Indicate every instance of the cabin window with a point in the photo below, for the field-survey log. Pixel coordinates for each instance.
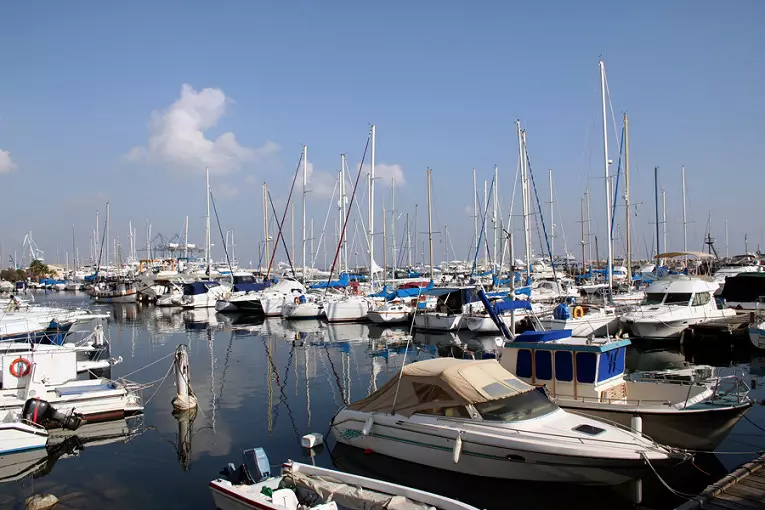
(429, 393)
(653, 298)
(585, 367)
(543, 360)
(611, 364)
(678, 298)
(701, 298)
(523, 363)
(564, 366)
(525, 406)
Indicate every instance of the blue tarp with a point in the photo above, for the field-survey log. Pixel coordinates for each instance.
(194, 288)
(561, 312)
(506, 306)
(543, 336)
(344, 281)
(390, 295)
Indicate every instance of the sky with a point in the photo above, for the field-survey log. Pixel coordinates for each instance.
(128, 103)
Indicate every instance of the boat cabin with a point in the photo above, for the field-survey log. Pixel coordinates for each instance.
(579, 368)
(200, 287)
(680, 290)
(451, 300)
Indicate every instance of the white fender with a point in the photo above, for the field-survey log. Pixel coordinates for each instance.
(457, 448)
(367, 428)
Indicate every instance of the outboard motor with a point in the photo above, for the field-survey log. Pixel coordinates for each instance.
(41, 412)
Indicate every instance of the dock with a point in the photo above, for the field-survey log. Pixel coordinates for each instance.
(742, 489)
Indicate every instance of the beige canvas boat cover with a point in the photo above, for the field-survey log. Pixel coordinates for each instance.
(443, 382)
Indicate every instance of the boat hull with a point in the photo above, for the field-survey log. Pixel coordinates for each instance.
(584, 326)
(388, 317)
(347, 310)
(117, 298)
(438, 321)
(18, 437)
(757, 336)
(298, 311)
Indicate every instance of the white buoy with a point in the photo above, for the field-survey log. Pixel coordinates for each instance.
(312, 440)
(457, 449)
(636, 424)
(185, 398)
(98, 336)
(367, 428)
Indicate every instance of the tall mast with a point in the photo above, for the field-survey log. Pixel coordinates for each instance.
(589, 225)
(344, 250)
(408, 243)
(494, 218)
(305, 183)
(186, 239)
(627, 218)
(265, 223)
(552, 219)
(475, 212)
(392, 229)
(292, 231)
(664, 217)
(581, 213)
(524, 196)
(372, 213)
(726, 238)
(485, 231)
(96, 241)
(208, 248)
(107, 234)
(608, 182)
(656, 203)
(430, 232)
(74, 252)
(312, 252)
(385, 248)
(685, 223)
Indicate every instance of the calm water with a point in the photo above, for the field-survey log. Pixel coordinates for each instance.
(266, 384)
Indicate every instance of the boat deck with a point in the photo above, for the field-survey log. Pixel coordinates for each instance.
(744, 488)
(730, 330)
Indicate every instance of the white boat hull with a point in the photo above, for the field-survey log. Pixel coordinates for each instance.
(353, 309)
(757, 335)
(18, 437)
(307, 310)
(435, 321)
(388, 316)
(585, 326)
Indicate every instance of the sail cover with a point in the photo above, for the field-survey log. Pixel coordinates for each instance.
(443, 382)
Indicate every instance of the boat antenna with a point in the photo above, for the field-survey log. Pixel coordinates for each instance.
(347, 216)
(284, 216)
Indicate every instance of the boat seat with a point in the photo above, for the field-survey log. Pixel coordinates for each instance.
(73, 390)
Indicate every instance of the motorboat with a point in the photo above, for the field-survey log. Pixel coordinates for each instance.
(52, 376)
(42, 324)
(268, 301)
(308, 487)
(740, 264)
(587, 376)
(475, 417)
(245, 288)
(201, 294)
(507, 311)
(26, 430)
(304, 306)
(584, 320)
(673, 303)
(348, 308)
(550, 291)
(114, 291)
(391, 312)
(449, 312)
(745, 291)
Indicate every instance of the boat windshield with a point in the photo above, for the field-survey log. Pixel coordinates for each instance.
(524, 406)
(677, 298)
(653, 298)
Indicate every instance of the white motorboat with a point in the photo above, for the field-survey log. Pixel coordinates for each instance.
(391, 312)
(268, 301)
(740, 264)
(353, 308)
(304, 306)
(52, 376)
(549, 291)
(201, 294)
(583, 321)
(672, 304)
(18, 436)
(251, 486)
(475, 417)
(587, 376)
(114, 292)
(450, 309)
(757, 334)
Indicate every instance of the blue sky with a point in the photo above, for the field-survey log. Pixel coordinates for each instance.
(443, 82)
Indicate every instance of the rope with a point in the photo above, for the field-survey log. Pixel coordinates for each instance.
(162, 381)
(150, 364)
(539, 206)
(284, 217)
(665, 484)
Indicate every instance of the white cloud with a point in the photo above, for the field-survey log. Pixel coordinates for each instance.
(385, 174)
(320, 184)
(6, 163)
(177, 136)
(225, 191)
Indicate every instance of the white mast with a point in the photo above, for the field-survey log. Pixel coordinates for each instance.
(525, 196)
(589, 226)
(485, 231)
(107, 234)
(371, 219)
(392, 230)
(208, 248)
(266, 252)
(186, 239)
(664, 218)
(608, 182)
(552, 219)
(341, 206)
(494, 218)
(305, 183)
(627, 219)
(430, 232)
(475, 212)
(726, 238)
(685, 223)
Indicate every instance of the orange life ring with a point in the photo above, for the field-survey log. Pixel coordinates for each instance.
(578, 312)
(297, 300)
(20, 367)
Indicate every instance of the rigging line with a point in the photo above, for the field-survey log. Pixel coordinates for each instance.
(483, 226)
(539, 206)
(562, 229)
(326, 220)
(345, 225)
(360, 218)
(284, 217)
(284, 241)
(613, 117)
(220, 229)
(616, 187)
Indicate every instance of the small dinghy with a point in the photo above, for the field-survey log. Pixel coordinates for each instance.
(306, 487)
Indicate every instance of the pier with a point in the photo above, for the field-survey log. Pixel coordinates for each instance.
(744, 488)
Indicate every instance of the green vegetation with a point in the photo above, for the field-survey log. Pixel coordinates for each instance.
(13, 275)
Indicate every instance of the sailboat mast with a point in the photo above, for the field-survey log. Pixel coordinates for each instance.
(186, 239)
(408, 243)
(581, 213)
(385, 248)
(430, 231)
(494, 218)
(107, 234)
(627, 219)
(664, 217)
(371, 219)
(656, 203)
(485, 231)
(74, 252)
(525, 196)
(392, 229)
(344, 250)
(552, 219)
(589, 225)
(265, 222)
(608, 182)
(685, 223)
(208, 248)
(305, 183)
(475, 211)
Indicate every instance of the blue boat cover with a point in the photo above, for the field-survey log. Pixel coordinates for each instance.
(561, 312)
(200, 287)
(343, 282)
(506, 306)
(543, 336)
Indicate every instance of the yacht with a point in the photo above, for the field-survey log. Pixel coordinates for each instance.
(475, 417)
(449, 313)
(587, 376)
(745, 291)
(748, 263)
(673, 303)
(392, 312)
(583, 321)
(304, 306)
(114, 291)
(549, 291)
(201, 294)
(347, 308)
(267, 301)
(481, 322)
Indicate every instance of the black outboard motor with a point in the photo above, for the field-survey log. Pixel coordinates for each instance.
(42, 413)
